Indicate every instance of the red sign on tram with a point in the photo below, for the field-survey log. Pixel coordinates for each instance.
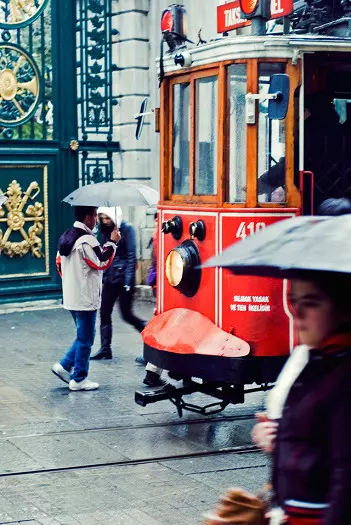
(255, 308)
(229, 15)
(281, 8)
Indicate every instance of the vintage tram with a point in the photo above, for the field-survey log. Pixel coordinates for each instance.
(253, 129)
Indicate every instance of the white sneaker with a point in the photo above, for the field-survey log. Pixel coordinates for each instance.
(60, 372)
(83, 385)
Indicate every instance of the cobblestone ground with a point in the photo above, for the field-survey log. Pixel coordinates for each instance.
(44, 426)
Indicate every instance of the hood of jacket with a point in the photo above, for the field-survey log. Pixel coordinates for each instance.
(70, 237)
(113, 213)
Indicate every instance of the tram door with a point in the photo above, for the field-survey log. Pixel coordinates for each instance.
(327, 128)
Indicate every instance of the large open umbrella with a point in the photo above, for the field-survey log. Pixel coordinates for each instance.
(113, 194)
(290, 246)
(3, 199)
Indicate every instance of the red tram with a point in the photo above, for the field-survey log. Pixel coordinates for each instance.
(254, 129)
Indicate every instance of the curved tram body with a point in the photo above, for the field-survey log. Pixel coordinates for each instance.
(226, 172)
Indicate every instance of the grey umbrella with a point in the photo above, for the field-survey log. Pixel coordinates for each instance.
(113, 194)
(3, 199)
(290, 246)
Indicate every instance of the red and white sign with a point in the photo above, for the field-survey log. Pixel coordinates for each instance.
(255, 308)
(229, 17)
(281, 8)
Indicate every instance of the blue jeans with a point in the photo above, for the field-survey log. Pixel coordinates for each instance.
(79, 353)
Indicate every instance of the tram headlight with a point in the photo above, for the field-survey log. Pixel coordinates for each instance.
(174, 268)
(181, 268)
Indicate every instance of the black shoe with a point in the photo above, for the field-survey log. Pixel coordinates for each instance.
(140, 361)
(103, 353)
(153, 379)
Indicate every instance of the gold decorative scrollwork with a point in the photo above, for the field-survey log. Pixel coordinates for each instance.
(19, 85)
(19, 13)
(16, 219)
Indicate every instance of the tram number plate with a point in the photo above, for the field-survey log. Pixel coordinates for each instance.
(246, 229)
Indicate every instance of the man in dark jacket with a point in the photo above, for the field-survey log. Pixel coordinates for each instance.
(118, 280)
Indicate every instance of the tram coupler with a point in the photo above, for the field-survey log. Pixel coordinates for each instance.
(227, 394)
(146, 397)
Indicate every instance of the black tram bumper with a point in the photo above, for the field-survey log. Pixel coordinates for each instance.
(218, 369)
(223, 378)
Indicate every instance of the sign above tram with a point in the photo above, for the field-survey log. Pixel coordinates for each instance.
(281, 8)
(230, 16)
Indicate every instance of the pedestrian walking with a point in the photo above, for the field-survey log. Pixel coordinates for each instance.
(153, 373)
(308, 434)
(312, 457)
(264, 432)
(80, 262)
(118, 279)
(152, 273)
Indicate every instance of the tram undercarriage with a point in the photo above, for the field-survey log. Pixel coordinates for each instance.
(227, 394)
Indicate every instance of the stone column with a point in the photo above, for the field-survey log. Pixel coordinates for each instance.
(132, 56)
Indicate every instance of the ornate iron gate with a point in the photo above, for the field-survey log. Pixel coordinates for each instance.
(56, 128)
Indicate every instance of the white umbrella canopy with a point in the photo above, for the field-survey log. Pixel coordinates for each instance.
(291, 246)
(112, 194)
(3, 199)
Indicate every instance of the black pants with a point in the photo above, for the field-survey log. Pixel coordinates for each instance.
(110, 294)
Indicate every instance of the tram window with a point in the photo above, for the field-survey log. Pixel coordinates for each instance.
(206, 137)
(237, 133)
(181, 139)
(271, 143)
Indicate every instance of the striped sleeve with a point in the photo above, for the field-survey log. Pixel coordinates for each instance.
(99, 257)
(58, 264)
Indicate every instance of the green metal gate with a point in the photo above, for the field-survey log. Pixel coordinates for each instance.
(56, 129)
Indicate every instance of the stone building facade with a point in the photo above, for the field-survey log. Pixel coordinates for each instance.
(135, 51)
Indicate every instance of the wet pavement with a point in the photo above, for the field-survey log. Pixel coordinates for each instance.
(96, 436)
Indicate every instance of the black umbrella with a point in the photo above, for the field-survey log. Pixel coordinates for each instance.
(290, 246)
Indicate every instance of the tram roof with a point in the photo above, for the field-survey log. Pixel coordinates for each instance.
(267, 46)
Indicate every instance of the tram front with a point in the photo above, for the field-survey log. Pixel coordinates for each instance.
(232, 163)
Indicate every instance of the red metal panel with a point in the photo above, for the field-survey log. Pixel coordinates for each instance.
(205, 301)
(254, 308)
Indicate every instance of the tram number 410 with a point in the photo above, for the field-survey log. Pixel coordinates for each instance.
(245, 229)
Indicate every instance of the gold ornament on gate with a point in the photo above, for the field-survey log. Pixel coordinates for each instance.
(18, 215)
(19, 86)
(8, 84)
(20, 13)
(74, 145)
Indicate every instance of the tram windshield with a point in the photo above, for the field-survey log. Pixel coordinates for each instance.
(271, 143)
(237, 133)
(181, 138)
(206, 135)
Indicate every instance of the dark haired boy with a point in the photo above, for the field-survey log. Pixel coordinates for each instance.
(80, 262)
